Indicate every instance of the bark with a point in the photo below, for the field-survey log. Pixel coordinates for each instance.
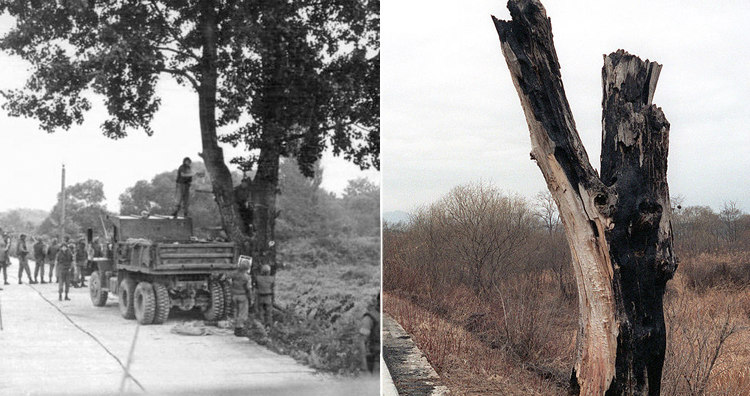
(263, 197)
(213, 155)
(618, 226)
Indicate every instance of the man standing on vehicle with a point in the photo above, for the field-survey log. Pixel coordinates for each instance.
(265, 282)
(184, 179)
(23, 260)
(241, 294)
(64, 261)
(40, 252)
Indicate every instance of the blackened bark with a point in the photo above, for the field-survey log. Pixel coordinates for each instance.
(618, 226)
(213, 155)
(634, 162)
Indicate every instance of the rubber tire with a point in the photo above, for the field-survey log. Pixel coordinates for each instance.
(163, 303)
(216, 309)
(227, 289)
(98, 296)
(125, 296)
(144, 302)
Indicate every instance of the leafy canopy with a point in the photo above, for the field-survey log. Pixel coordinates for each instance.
(296, 76)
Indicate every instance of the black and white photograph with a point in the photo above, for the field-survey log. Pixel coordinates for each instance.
(566, 197)
(190, 197)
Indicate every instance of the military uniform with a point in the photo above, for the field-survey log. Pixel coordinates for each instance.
(39, 254)
(23, 260)
(64, 261)
(4, 257)
(241, 299)
(370, 330)
(51, 254)
(265, 285)
(184, 179)
(81, 259)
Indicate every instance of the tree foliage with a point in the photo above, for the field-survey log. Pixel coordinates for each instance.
(307, 210)
(84, 209)
(23, 221)
(308, 71)
(285, 79)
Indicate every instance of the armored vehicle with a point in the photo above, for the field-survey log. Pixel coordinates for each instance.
(155, 263)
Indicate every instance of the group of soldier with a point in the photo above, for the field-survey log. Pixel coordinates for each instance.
(67, 260)
(242, 295)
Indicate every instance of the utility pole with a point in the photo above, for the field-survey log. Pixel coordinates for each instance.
(62, 205)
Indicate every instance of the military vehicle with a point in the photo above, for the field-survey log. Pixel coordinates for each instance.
(155, 263)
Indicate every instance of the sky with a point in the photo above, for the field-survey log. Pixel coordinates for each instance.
(450, 113)
(31, 159)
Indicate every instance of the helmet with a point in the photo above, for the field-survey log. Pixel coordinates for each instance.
(265, 269)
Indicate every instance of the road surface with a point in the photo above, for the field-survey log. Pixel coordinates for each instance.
(71, 347)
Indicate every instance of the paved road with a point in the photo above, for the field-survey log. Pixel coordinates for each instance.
(71, 347)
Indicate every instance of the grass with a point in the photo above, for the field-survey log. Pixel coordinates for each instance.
(323, 305)
(523, 340)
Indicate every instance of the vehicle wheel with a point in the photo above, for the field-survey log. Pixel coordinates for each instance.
(98, 296)
(216, 305)
(227, 289)
(145, 303)
(125, 296)
(162, 303)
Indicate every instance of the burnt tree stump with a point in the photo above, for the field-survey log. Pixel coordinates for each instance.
(618, 225)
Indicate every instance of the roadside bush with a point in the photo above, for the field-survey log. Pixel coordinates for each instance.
(709, 271)
(323, 340)
(312, 252)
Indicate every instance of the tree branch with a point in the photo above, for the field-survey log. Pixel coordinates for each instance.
(182, 73)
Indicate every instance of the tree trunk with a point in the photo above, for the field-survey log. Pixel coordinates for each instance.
(213, 155)
(618, 226)
(263, 197)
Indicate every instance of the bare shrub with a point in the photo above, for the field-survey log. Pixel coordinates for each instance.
(529, 321)
(711, 271)
(483, 232)
(698, 333)
(460, 357)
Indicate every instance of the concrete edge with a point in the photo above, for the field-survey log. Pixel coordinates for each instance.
(407, 366)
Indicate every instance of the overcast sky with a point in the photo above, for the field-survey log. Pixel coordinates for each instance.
(30, 159)
(451, 115)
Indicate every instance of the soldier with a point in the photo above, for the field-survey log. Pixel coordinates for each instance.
(63, 261)
(184, 178)
(98, 247)
(81, 255)
(5, 256)
(265, 283)
(23, 261)
(369, 340)
(51, 254)
(241, 295)
(40, 252)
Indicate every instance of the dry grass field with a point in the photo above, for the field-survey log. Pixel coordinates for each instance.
(523, 344)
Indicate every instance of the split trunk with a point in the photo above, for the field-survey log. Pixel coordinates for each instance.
(618, 224)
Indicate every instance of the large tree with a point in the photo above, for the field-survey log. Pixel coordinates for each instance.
(618, 224)
(285, 78)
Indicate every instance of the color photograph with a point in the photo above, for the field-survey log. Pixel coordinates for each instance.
(565, 197)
